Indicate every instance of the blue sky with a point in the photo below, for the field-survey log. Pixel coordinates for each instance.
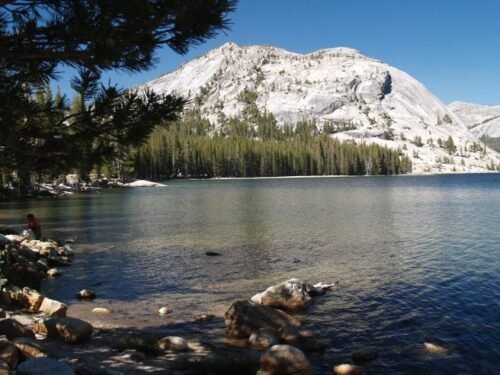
(451, 46)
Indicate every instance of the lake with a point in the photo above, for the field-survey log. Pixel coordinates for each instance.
(416, 258)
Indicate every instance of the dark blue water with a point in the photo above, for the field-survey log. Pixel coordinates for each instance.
(417, 258)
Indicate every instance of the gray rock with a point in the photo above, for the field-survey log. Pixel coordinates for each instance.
(293, 294)
(44, 366)
(12, 329)
(70, 330)
(284, 359)
(364, 355)
(243, 317)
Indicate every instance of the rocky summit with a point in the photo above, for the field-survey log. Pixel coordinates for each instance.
(359, 98)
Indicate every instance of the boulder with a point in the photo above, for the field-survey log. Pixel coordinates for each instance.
(12, 329)
(2, 314)
(284, 359)
(29, 348)
(53, 308)
(244, 317)
(346, 369)
(86, 294)
(174, 343)
(70, 330)
(263, 339)
(293, 294)
(8, 353)
(44, 366)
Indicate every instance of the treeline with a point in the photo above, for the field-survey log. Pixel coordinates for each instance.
(242, 148)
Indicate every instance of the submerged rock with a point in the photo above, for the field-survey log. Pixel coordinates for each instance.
(284, 359)
(364, 354)
(53, 272)
(44, 366)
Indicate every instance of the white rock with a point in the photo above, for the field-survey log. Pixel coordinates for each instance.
(164, 310)
(54, 272)
(101, 310)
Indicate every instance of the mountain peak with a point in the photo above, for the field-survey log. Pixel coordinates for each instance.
(363, 99)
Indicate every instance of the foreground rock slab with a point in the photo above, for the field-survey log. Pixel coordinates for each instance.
(8, 353)
(70, 330)
(44, 366)
(284, 359)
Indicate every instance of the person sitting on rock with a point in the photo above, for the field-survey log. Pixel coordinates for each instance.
(34, 226)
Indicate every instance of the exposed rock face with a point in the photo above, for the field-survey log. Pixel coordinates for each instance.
(337, 86)
(482, 120)
(27, 298)
(70, 330)
(284, 359)
(12, 329)
(244, 317)
(44, 366)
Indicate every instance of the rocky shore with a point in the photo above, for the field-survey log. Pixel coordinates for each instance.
(261, 335)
